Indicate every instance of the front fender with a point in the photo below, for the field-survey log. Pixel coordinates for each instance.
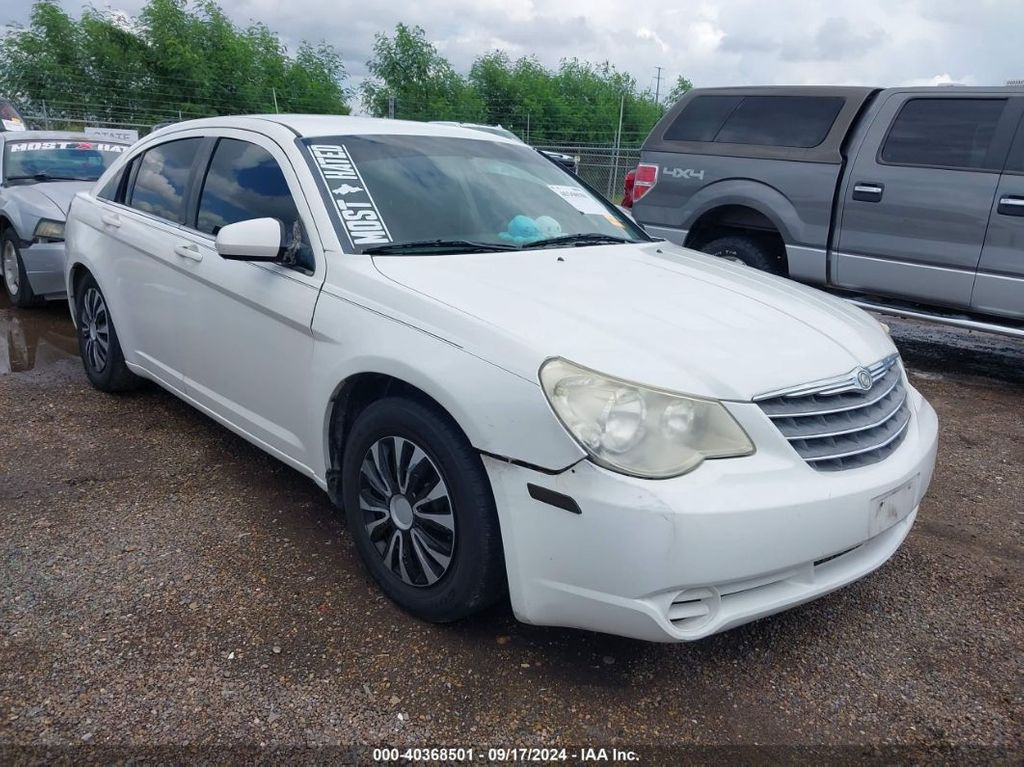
(501, 413)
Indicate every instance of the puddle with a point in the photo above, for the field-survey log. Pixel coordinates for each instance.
(35, 338)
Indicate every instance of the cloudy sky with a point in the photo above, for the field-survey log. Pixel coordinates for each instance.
(728, 42)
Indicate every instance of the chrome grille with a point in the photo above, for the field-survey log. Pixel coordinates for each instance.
(841, 423)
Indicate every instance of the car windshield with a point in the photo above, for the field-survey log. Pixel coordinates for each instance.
(432, 194)
(64, 160)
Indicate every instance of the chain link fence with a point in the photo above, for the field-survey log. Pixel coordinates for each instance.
(603, 166)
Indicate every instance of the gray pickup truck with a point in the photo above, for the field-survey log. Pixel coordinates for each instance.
(907, 199)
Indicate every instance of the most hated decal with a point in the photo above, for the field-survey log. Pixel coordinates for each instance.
(358, 213)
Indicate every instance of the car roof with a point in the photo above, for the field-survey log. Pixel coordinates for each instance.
(56, 135)
(311, 126)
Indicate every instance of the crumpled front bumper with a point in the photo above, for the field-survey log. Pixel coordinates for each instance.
(44, 268)
(734, 540)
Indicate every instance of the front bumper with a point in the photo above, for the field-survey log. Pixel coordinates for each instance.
(44, 268)
(733, 541)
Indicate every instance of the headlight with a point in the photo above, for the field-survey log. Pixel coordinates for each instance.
(637, 430)
(49, 230)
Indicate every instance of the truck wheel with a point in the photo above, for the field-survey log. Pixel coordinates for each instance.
(420, 508)
(14, 277)
(744, 250)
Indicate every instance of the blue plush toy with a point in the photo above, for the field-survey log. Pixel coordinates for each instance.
(523, 229)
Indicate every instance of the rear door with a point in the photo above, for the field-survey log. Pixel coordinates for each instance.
(999, 287)
(917, 197)
(248, 364)
(150, 288)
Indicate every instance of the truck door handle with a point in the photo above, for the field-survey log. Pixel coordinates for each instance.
(1011, 206)
(190, 252)
(867, 191)
(111, 219)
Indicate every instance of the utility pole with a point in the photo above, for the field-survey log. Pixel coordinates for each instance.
(391, 106)
(657, 87)
(527, 127)
(273, 92)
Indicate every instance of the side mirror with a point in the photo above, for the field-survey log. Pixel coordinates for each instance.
(258, 239)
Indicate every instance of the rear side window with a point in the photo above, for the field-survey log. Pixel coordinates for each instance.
(243, 182)
(947, 133)
(114, 189)
(790, 121)
(162, 181)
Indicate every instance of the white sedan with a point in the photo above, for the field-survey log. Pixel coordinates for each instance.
(504, 382)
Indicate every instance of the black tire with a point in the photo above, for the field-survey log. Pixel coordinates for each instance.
(474, 578)
(13, 275)
(105, 367)
(748, 249)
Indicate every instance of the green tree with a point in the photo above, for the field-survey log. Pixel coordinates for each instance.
(408, 68)
(175, 58)
(682, 85)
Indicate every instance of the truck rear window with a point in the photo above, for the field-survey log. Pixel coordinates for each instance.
(792, 121)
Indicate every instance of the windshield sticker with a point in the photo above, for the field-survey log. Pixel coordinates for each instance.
(49, 146)
(355, 204)
(579, 199)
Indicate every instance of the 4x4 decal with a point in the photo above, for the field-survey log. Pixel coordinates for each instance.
(684, 173)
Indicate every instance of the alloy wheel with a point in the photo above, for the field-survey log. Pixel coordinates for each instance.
(10, 267)
(407, 510)
(94, 325)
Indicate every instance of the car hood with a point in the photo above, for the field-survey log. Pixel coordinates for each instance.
(652, 313)
(50, 199)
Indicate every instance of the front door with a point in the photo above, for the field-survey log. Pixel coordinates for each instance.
(249, 364)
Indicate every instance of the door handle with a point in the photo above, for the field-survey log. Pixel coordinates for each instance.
(867, 191)
(1010, 205)
(190, 252)
(111, 219)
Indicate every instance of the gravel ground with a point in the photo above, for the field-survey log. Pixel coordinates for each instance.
(163, 582)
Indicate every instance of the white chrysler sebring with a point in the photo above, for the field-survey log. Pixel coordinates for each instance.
(504, 382)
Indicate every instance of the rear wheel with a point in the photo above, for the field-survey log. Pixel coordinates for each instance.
(14, 277)
(420, 508)
(744, 249)
(97, 340)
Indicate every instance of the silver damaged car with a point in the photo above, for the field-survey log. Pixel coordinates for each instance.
(41, 172)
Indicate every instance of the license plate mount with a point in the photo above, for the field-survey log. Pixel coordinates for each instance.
(893, 506)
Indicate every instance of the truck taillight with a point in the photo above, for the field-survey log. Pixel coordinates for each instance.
(646, 178)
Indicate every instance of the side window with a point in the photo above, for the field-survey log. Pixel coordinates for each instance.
(789, 121)
(1015, 162)
(244, 181)
(162, 180)
(945, 132)
(702, 118)
(113, 190)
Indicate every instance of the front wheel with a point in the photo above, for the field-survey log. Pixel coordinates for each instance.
(14, 277)
(97, 340)
(420, 508)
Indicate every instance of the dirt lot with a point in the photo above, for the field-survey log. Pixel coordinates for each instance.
(165, 583)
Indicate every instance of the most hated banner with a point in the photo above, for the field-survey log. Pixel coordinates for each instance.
(348, 191)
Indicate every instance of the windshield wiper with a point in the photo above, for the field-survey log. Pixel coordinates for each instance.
(48, 177)
(438, 247)
(589, 238)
